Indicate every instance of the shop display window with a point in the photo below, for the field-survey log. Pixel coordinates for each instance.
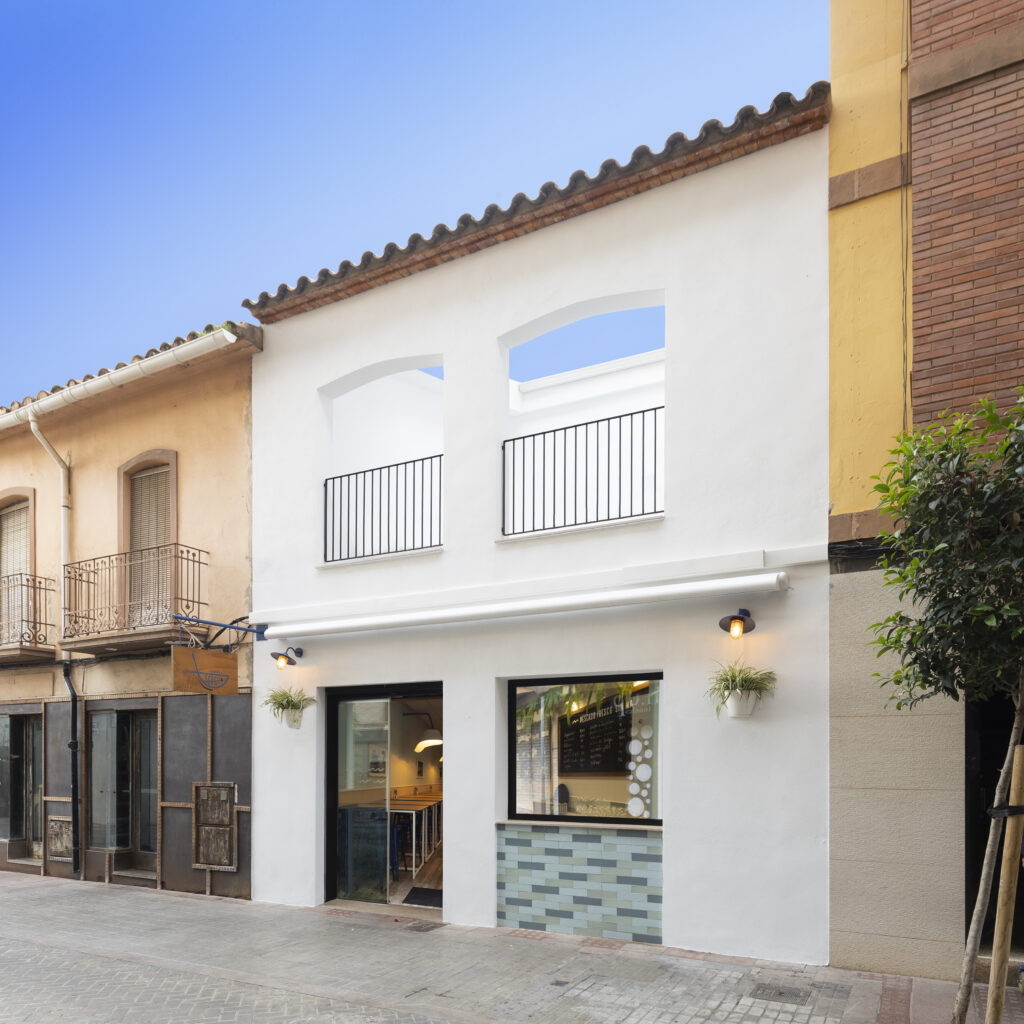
(585, 748)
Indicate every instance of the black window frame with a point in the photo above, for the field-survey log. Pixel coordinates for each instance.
(570, 819)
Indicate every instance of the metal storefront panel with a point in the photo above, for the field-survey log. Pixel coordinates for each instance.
(57, 735)
(183, 749)
(176, 869)
(232, 743)
(236, 883)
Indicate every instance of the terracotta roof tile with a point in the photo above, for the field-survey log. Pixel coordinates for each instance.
(750, 130)
(243, 330)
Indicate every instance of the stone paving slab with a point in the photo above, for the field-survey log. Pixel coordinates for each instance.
(84, 953)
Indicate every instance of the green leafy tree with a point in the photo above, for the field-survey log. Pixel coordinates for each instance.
(955, 493)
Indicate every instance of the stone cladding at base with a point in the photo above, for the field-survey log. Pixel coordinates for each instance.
(603, 882)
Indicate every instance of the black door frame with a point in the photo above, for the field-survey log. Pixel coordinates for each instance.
(333, 696)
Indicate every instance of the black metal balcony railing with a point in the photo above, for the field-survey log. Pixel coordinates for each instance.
(25, 609)
(132, 590)
(383, 510)
(593, 472)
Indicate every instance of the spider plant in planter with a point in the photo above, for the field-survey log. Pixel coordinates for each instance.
(288, 704)
(739, 688)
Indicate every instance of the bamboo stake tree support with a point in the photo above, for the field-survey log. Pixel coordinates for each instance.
(1007, 894)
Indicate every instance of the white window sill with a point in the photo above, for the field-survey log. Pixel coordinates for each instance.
(561, 531)
(628, 823)
(391, 556)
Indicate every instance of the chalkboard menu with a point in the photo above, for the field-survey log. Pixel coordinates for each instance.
(594, 740)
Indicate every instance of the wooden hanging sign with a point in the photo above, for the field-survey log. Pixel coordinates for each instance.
(195, 670)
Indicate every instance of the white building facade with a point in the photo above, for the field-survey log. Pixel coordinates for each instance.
(539, 569)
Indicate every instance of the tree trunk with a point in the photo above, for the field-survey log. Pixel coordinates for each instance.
(988, 867)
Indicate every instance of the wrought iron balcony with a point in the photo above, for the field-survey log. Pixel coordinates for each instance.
(593, 472)
(127, 601)
(384, 510)
(25, 622)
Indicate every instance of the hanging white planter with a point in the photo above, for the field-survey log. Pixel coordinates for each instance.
(287, 705)
(739, 688)
(741, 704)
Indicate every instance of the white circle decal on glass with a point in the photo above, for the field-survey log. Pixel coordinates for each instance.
(647, 814)
(643, 772)
(645, 792)
(647, 732)
(635, 746)
(634, 788)
(635, 807)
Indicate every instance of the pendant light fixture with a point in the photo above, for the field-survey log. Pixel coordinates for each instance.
(431, 737)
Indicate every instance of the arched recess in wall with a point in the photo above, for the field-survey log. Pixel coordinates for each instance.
(17, 531)
(23, 597)
(585, 436)
(385, 445)
(147, 500)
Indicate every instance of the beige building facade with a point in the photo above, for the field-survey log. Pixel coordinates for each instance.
(124, 506)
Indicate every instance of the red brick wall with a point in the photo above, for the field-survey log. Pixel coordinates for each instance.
(967, 154)
(940, 25)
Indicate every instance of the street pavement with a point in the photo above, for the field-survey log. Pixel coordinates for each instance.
(83, 953)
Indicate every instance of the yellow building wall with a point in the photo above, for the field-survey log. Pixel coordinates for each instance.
(896, 798)
(202, 412)
(867, 271)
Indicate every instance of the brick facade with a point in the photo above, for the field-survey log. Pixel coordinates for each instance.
(967, 148)
(938, 26)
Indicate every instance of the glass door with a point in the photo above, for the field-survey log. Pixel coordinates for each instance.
(34, 785)
(362, 821)
(144, 771)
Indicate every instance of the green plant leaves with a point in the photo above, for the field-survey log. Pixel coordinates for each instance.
(738, 678)
(285, 699)
(955, 491)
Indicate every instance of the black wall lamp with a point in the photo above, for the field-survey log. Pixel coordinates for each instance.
(738, 623)
(286, 657)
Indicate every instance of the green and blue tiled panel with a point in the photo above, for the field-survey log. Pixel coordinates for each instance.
(603, 882)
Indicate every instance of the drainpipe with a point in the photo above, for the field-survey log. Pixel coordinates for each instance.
(65, 544)
(65, 498)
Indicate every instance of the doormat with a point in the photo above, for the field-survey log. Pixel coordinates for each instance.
(423, 897)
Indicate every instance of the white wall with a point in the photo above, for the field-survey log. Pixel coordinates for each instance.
(749, 794)
(737, 254)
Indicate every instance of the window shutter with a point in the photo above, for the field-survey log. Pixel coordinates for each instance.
(150, 508)
(14, 539)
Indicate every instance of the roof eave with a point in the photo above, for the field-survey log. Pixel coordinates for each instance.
(786, 118)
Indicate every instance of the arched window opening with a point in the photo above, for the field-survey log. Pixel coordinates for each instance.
(25, 599)
(586, 423)
(16, 591)
(150, 563)
(383, 492)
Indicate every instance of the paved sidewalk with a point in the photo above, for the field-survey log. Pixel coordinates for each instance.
(81, 953)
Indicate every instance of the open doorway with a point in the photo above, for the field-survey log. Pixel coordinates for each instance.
(21, 786)
(986, 734)
(385, 794)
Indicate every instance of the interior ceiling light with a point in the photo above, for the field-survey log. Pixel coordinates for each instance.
(431, 737)
(286, 657)
(738, 623)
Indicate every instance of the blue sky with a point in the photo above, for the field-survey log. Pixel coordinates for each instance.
(164, 161)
